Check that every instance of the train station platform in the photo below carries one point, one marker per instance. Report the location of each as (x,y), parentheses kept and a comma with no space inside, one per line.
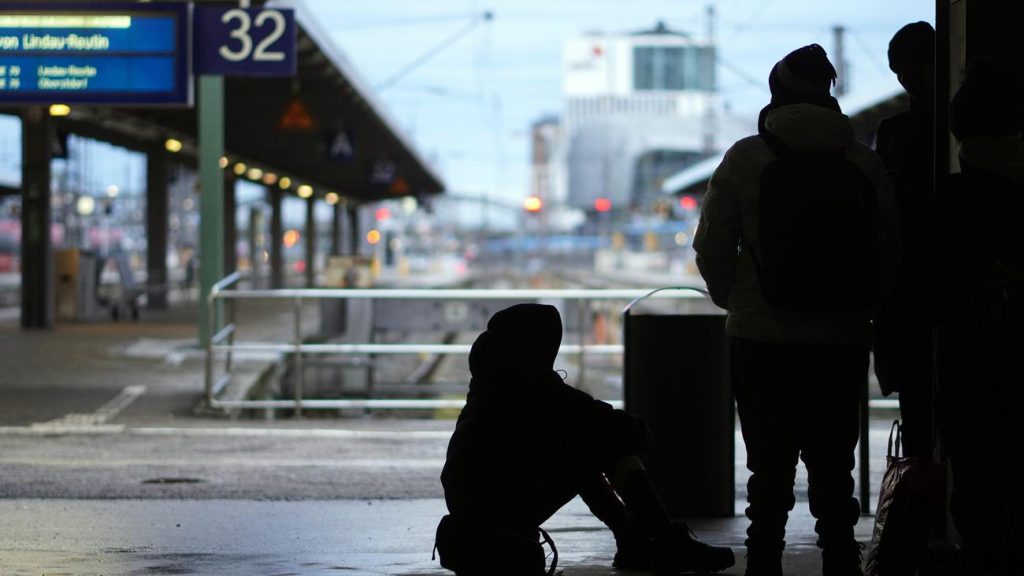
(108,467)
(359,537)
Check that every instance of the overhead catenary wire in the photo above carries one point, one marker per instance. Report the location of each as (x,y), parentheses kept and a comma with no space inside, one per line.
(882,70)
(437,49)
(369,25)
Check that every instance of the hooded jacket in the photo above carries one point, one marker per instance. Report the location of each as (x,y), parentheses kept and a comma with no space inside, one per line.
(730,217)
(522,424)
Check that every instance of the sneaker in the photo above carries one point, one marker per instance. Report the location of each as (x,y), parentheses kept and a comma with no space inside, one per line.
(633,551)
(679,551)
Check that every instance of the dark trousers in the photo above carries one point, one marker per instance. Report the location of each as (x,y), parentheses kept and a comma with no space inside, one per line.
(982,417)
(904,364)
(799,401)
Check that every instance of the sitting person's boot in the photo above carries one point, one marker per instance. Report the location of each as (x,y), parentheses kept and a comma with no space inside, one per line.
(677,550)
(634,549)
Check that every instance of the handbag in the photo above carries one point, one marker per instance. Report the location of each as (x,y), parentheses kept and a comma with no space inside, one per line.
(911,496)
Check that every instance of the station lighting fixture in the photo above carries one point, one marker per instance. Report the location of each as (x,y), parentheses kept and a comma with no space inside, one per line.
(240,168)
(285,183)
(59,109)
(602,204)
(373,237)
(85,205)
(533,204)
(305,191)
(688,203)
(270,178)
(254,174)
(291,238)
(332,198)
(112,191)
(223,163)
(172,145)
(409,204)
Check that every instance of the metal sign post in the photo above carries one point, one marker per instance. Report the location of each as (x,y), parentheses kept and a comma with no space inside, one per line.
(229,41)
(211,195)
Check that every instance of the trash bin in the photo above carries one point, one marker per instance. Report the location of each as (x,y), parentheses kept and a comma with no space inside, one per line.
(76,276)
(676,377)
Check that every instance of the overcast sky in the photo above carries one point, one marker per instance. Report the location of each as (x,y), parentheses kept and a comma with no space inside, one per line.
(470,107)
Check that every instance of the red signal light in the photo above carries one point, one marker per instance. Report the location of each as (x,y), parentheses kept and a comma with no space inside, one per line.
(382,214)
(602,204)
(688,203)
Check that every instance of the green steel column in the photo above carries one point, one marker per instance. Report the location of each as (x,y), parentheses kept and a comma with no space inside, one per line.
(211,197)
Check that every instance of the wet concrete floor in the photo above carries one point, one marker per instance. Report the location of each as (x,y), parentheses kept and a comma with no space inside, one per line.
(245,537)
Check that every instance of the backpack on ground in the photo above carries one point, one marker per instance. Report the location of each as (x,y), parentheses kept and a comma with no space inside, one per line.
(818,233)
(475,549)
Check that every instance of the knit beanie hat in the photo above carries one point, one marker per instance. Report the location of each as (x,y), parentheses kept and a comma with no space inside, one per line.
(804,76)
(913,45)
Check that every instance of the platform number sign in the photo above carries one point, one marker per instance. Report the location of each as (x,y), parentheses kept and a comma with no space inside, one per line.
(245,41)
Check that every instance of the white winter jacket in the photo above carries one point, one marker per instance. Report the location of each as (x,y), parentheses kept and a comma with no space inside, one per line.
(730,214)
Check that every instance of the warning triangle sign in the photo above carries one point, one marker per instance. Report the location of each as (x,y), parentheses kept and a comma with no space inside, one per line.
(296,117)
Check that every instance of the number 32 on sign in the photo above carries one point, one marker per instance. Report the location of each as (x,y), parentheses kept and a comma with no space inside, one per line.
(244,41)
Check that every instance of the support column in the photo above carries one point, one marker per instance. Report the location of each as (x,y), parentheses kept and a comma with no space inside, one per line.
(256,241)
(230,224)
(311,242)
(156,227)
(36,249)
(276,240)
(211,197)
(336,215)
(353,230)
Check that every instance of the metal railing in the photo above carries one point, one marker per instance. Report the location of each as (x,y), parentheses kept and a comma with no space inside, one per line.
(222,339)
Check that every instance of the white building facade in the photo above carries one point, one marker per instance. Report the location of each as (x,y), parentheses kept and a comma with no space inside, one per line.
(638,108)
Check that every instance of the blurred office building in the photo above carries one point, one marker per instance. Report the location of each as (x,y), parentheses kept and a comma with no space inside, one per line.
(638,108)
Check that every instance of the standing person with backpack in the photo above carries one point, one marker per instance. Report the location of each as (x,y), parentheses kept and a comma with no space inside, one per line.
(798,240)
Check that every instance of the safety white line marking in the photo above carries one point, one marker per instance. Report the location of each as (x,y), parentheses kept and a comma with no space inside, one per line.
(293,433)
(324,433)
(77,422)
(193,463)
(242,432)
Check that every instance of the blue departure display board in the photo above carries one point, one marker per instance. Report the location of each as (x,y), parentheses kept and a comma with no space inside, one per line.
(99,54)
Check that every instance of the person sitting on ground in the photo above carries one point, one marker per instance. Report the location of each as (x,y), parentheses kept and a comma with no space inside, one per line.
(527,443)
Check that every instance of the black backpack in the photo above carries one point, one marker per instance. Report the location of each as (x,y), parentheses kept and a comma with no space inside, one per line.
(818,231)
(472,548)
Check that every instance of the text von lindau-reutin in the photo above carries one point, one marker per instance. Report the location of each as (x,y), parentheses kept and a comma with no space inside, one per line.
(91,43)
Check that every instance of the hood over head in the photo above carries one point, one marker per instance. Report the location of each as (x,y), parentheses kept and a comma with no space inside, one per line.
(804,76)
(522,340)
(809,128)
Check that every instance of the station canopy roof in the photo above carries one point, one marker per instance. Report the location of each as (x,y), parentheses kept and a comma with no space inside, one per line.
(285,125)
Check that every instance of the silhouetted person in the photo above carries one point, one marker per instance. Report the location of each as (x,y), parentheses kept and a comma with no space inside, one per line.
(526,443)
(797,239)
(903,329)
(980,372)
